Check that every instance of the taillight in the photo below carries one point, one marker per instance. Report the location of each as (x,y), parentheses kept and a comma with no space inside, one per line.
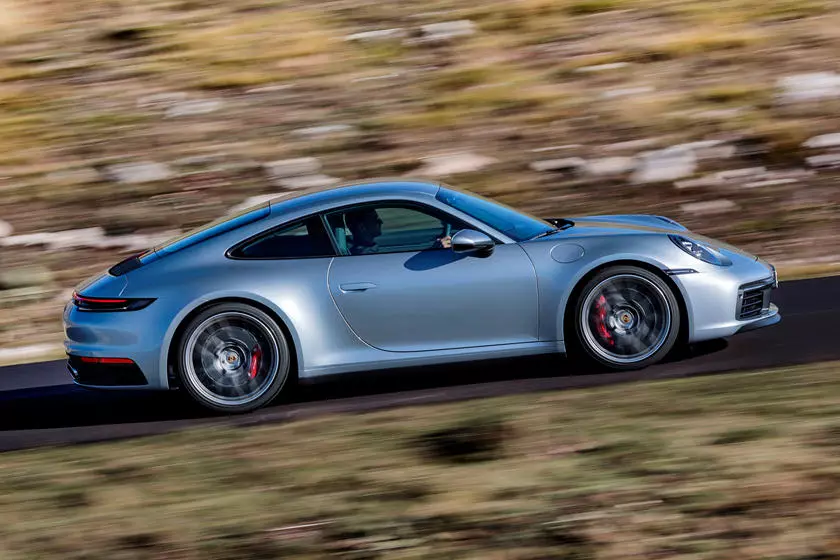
(85,303)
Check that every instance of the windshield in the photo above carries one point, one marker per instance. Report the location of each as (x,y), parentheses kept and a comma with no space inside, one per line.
(517,225)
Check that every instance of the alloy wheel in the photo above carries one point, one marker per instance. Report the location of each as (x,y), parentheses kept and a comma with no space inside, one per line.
(625,319)
(232,358)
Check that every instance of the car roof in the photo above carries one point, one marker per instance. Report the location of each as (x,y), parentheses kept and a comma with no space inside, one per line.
(304,200)
(348,192)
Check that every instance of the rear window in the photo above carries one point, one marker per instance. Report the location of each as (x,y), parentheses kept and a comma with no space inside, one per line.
(215,228)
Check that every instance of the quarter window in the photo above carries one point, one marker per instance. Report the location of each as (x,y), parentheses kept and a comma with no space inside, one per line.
(302,240)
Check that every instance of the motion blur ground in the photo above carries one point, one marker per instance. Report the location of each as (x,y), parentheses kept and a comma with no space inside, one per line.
(124,122)
(742,465)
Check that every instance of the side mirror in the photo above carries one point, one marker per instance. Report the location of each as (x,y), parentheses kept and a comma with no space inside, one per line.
(471,241)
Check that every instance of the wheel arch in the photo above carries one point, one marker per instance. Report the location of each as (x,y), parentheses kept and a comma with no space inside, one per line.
(176,331)
(566,319)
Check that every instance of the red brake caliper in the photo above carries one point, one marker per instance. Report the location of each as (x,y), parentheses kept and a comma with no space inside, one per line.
(256,356)
(601,307)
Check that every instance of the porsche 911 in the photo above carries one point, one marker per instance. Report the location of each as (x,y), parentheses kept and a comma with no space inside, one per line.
(391,273)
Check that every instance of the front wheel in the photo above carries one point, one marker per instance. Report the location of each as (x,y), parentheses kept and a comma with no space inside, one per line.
(626,318)
(233,358)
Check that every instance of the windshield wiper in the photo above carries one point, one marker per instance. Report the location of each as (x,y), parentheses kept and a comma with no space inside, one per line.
(562,224)
(546,233)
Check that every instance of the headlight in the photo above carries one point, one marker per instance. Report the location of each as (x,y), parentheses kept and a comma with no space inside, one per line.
(700,250)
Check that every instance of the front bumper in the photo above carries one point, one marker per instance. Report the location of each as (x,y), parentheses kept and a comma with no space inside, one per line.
(722,302)
(766,320)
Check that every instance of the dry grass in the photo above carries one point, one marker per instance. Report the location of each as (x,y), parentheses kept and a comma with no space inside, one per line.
(733,93)
(259,48)
(740,465)
(696,42)
(15,19)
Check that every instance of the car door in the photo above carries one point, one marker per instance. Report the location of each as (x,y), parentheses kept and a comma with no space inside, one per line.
(404,291)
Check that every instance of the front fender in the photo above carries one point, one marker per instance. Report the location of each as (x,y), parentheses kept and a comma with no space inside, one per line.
(566,302)
(558,281)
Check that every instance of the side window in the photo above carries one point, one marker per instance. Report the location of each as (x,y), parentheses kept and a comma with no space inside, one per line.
(371,229)
(301,240)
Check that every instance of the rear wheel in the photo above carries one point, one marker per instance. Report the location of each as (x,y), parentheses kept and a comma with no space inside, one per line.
(233,358)
(626,318)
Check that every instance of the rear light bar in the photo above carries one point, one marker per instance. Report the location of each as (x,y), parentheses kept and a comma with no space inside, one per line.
(108,361)
(85,303)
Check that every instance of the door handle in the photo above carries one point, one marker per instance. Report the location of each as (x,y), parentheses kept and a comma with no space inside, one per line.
(357,286)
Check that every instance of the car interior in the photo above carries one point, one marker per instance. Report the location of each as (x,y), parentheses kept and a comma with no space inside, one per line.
(403,230)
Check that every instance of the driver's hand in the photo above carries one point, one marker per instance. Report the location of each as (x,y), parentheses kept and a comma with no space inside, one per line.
(445,242)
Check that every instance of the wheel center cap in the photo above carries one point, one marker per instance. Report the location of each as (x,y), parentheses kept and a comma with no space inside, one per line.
(623,320)
(230,359)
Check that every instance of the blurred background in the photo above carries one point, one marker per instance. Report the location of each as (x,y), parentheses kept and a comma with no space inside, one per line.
(125,122)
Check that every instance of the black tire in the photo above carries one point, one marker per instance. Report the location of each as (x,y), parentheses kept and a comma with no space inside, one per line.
(625,318)
(233,358)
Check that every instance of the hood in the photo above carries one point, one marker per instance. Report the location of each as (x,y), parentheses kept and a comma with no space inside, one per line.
(645,223)
(639,222)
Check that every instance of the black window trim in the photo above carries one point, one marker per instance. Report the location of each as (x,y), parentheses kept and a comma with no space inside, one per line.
(322,215)
(230,253)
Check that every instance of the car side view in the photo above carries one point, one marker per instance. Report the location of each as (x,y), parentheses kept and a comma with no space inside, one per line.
(392,273)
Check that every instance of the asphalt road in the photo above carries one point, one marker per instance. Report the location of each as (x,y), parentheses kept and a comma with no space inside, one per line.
(39,406)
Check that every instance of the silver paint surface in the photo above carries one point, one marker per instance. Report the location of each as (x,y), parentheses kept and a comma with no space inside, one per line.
(354,313)
(567,252)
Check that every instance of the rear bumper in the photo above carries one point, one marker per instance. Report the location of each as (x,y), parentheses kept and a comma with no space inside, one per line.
(135,335)
(111,376)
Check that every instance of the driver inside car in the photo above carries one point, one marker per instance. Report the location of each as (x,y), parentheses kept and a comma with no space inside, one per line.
(365,225)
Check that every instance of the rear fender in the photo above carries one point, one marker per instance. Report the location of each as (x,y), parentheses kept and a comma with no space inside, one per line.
(221,296)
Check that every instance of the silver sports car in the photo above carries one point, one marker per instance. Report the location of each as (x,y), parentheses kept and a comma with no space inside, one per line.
(401,273)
